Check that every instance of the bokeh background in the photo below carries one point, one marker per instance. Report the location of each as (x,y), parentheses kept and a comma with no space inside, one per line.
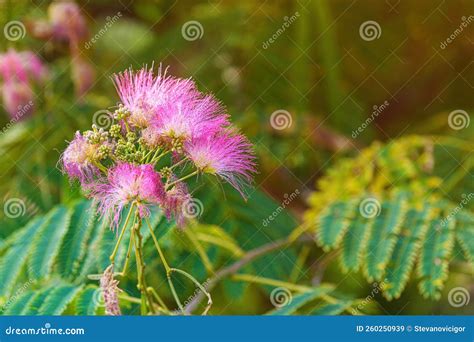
(298,77)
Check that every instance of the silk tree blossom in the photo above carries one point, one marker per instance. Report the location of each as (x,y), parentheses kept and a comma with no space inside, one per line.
(164,133)
(78,159)
(175,199)
(128,184)
(190,117)
(17,99)
(225,154)
(142,93)
(67,22)
(110,290)
(19,71)
(22,66)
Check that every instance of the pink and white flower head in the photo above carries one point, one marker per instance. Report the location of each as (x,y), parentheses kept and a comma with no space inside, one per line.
(175,200)
(141,93)
(21,66)
(78,159)
(126,184)
(226,154)
(190,116)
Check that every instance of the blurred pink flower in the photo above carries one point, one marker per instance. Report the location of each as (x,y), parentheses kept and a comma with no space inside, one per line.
(68,24)
(19,71)
(83,75)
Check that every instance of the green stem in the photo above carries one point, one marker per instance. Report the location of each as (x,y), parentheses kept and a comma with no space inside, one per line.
(198,284)
(166,266)
(158,248)
(179,163)
(129,252)
(182,179)
(114,253)
(141,272)
(175,295)
(157,158)
(158,299)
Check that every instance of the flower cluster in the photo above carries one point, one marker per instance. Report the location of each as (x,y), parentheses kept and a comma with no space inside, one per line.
(19,70)
(163,133)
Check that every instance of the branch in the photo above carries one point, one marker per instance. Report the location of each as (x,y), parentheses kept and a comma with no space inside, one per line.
(236,266)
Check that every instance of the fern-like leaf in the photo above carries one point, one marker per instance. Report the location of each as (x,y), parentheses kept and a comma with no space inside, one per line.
(383,236)
(73,247)
(434,257)
(58,299)
(14,259)
(48,241)
(404,254)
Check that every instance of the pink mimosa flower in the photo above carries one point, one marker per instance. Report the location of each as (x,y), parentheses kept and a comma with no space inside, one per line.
(17,99)
(68,23)
(126,184)
(225,154)
(77,159)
